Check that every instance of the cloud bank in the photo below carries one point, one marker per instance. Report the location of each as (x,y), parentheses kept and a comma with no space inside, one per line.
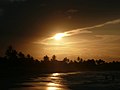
(81,30)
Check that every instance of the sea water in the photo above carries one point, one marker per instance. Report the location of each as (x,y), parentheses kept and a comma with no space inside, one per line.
(88,80)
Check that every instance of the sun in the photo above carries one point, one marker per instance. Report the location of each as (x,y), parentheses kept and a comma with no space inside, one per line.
(59,36)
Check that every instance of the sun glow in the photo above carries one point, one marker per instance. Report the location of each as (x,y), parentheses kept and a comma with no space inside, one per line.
(59,36)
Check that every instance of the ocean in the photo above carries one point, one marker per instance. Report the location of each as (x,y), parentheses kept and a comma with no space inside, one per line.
(88,80)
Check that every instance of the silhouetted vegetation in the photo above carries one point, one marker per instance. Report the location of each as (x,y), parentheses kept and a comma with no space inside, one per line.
(16,62)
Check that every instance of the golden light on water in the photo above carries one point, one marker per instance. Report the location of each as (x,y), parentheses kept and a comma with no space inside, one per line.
(52,81)
(55,74)
(54,85)
(59,36)
(53,88)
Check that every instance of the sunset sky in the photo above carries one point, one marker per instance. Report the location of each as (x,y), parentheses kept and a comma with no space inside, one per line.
(86,28)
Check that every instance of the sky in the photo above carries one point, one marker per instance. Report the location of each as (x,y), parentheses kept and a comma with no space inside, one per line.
(91,28)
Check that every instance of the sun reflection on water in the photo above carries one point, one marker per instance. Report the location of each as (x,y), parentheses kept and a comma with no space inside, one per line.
(53,88)
(55,74)
(56,82)
(53,84)
(53,81)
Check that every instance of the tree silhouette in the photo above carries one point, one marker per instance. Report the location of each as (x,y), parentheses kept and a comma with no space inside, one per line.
(15,61)
(80,60)
(11,53)
(46,58)
(53,58)
(21,55)
(66,60)
(98,62)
